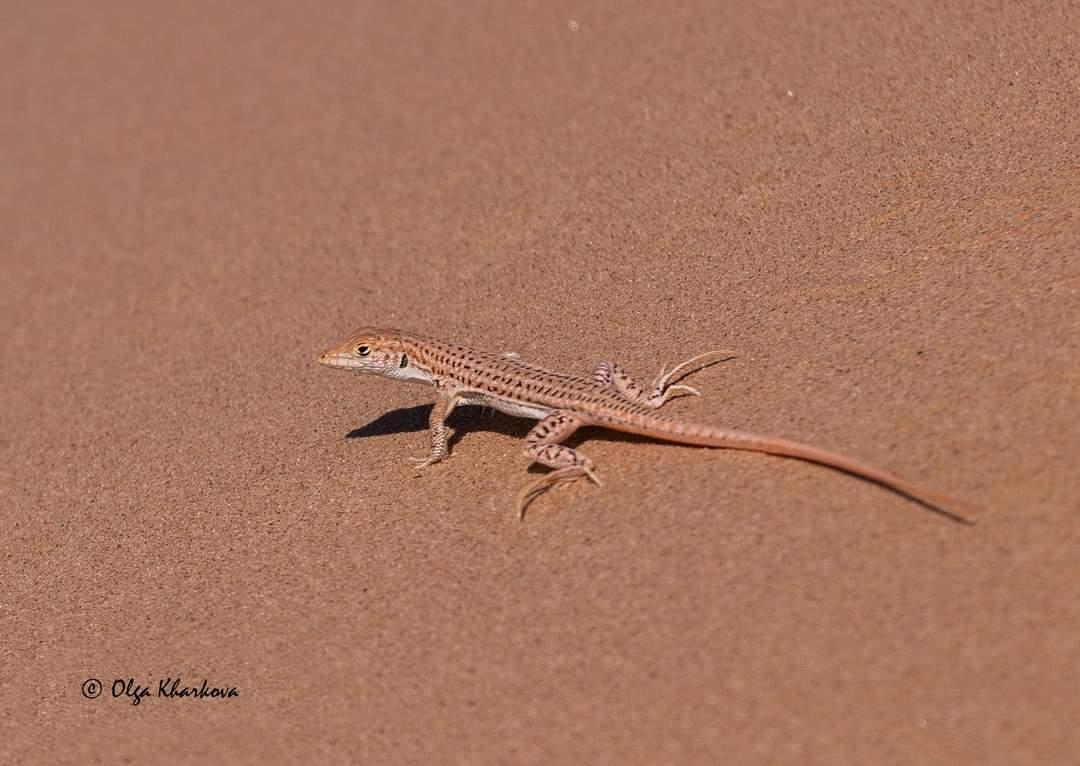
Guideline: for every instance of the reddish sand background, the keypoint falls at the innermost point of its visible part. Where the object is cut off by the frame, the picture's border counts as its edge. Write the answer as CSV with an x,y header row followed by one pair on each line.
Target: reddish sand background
x,y
877,207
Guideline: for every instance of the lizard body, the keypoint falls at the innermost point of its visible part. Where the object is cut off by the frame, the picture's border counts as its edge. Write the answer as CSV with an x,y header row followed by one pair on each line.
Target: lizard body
x,y
563,403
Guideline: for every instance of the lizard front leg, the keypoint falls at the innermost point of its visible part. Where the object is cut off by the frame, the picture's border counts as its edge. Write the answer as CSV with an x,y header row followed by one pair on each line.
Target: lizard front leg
x,y
613,376
544,448
440,434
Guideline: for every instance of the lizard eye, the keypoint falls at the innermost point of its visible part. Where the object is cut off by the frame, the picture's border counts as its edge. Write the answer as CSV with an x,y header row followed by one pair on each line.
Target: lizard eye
x,y
363,350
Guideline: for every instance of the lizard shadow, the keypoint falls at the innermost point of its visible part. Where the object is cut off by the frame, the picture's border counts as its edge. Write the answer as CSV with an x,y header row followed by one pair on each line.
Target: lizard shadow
x,y
399,421
466,418
471,418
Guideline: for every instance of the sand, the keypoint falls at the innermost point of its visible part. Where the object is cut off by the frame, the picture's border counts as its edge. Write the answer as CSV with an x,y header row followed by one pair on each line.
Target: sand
x,y
876,207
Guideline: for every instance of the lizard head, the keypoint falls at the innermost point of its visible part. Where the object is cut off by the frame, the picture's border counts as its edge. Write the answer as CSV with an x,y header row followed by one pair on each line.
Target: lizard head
x,y
375,352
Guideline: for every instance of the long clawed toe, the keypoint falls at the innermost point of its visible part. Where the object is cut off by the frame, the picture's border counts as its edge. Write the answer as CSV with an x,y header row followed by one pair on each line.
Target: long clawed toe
x,y
690,390
666,380
422,462
544,483
670,392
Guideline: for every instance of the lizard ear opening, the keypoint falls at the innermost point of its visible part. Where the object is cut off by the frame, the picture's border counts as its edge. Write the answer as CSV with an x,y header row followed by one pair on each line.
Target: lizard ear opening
x,y
404,361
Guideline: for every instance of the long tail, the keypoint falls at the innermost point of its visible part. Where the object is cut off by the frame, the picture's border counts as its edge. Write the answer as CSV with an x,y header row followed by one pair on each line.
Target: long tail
x,y
682,432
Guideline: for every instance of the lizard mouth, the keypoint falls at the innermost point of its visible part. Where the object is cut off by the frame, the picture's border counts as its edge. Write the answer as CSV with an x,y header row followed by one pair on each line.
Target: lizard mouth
x,y
333,359
337,360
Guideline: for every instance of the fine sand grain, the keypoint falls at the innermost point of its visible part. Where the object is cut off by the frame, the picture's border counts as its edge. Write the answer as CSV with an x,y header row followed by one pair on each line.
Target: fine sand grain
x,y
877,207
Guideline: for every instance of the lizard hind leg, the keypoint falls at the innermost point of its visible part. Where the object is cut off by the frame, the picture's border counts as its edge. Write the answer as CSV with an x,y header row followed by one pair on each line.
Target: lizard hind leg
x,y
613,376
544,448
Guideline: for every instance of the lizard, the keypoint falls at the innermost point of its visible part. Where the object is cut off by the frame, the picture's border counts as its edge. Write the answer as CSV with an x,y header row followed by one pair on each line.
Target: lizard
x,y
563,403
